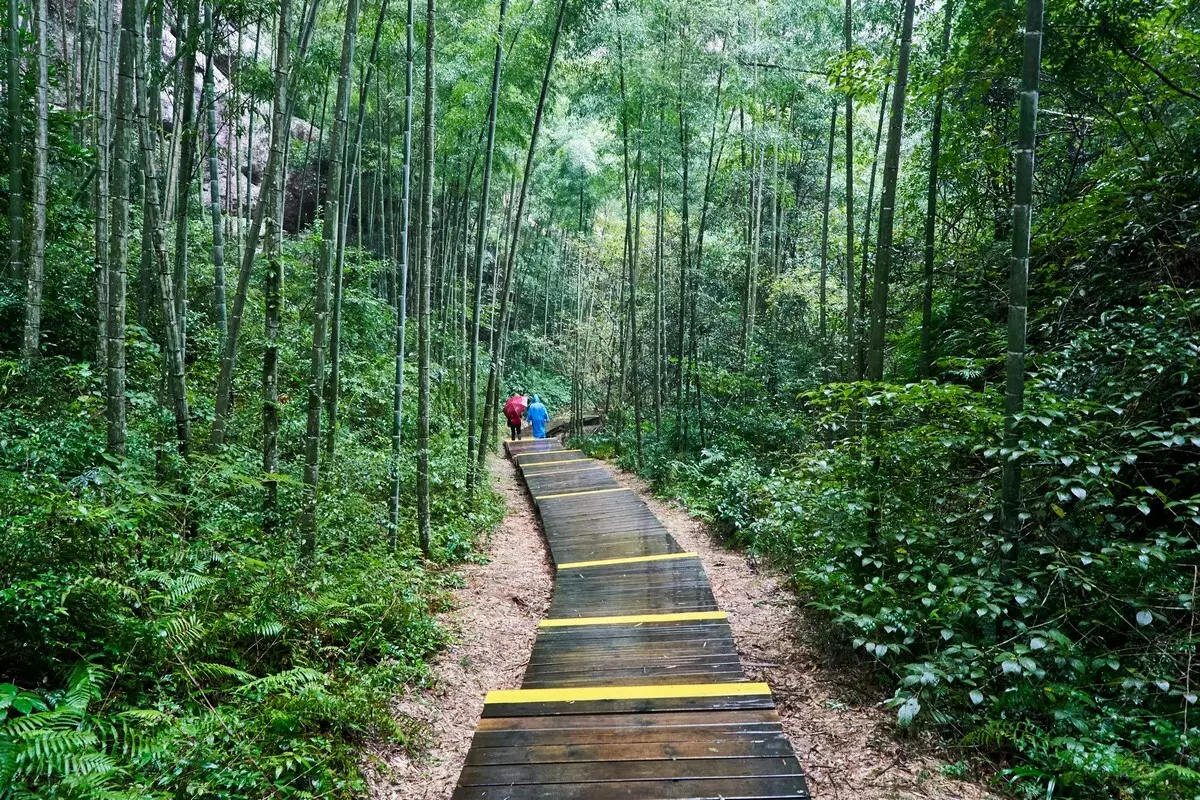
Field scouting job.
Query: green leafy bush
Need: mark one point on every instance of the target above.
(1066, 652)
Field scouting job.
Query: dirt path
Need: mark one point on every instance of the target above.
(494, 621)
(843, 738)
(831, 713)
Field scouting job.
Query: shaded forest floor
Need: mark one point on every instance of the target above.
(831, 711)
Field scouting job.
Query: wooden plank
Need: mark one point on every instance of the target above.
(614, 771)
(734, 747)
(509, 696)
(775, 788)
(640, 706)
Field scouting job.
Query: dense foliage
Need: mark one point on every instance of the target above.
(156, 642)
(699, 224)
(1066, 653)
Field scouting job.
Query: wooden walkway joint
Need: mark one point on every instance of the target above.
(634, 690)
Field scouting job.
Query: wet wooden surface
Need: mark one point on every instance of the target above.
(634, 689)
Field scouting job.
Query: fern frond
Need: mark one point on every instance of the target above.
(180, 588)
(51, 752)
(84, 684)
(183, 631)
(126, 593)
(213, 671)
(264, 628)
(61, 718)
(288, 680)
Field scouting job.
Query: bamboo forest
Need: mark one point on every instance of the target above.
(877, 318)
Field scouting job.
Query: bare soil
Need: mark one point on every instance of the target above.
(493, 623)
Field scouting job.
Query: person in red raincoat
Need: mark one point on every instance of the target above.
(513, 410)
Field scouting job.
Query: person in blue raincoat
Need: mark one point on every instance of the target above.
(537, 416)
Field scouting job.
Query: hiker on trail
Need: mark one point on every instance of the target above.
(538, 416)
(513, 409)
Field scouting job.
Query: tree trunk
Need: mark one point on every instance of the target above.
(424, 531)
(16, 145)
(887, 204)
(119, 244)
(658, 290)
(330, 245)
(851, 318)
(493, 372)
(634, 263)
(214, 176)
(152, 218)
(37, 249)
(187, 154)
(1018, 290)
(402, 280)
(147, 277)
(335, 334)
(273, 283)
(825, 235)
(101, 143)
(925, 367)
(480, 248)
(863, 311)
(282, 115)
(684, 248)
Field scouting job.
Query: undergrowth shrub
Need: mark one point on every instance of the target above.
(1067, 653)
(154, 641)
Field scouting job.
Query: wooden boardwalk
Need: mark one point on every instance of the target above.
(634, 690)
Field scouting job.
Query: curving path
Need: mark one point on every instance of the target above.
(634, 690)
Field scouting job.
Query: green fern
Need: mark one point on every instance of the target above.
(288, 680)
(182, 631)
(213, 672)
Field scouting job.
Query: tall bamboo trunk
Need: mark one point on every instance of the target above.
(101, 142)
(1018, 288)
(214, 174)
(659, 294)
(273, 283)
(335, 334)
(147, 277)
(401, 280)
(887, 204)
(634, 263)
(424, 530)
(37, 248)
(330, 246)
(925, 366)
(187, 156)
(863, 310)
(493, 373)
(684, 248)
(16, 145)
(822, 340)
(119, 244)
(274, 163)
(752, 259)
(153, 219)
(480, 248)
(851, 318)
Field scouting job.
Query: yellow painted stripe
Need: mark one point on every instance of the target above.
(586, 693)
(597, 465)
(577, 494)
(551, 463)
(632, 560)
(633, 619)
(542, 453)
